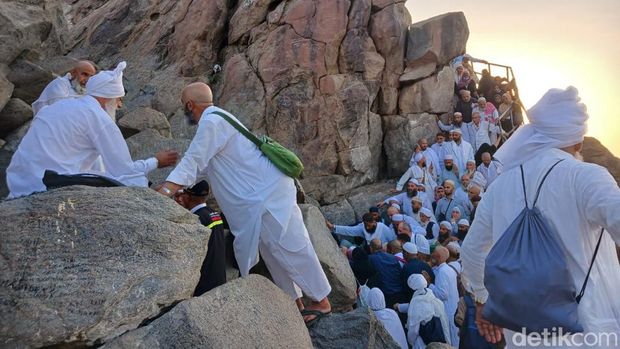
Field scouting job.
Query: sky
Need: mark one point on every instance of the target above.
(549, 44)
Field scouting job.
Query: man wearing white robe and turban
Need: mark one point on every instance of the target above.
(258, 200)
(422, 308)
(577, 199)
(460, 149)
(71, 85)
(69, 136)
(388, 317)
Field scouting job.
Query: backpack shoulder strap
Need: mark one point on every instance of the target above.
(543, 181)
(249, 135)
(585, 282)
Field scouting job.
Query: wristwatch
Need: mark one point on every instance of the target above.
(166, 191)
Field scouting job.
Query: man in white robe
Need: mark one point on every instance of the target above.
(432, 158)
(69, 136)
(420, 172)
(445, 288)
(388, 317)
(369, 229)
(457, 124)
(258, 200)
(423, 306)
(479, 131)
(71, 85)
(460, 149)
(404, 199)
(577, 199)
(489, 168)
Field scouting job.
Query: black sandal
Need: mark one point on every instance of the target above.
(319, 314)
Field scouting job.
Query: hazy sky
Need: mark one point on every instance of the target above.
(549, 43)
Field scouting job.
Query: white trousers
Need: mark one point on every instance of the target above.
(291, 259)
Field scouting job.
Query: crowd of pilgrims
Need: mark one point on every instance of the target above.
(405, 252)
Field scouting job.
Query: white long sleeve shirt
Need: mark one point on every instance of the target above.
(461, 152)
(58, 89)
(68, 137)
(480, 134)
(382, 232)
(446, 290)
(490, 172)
(577, 199)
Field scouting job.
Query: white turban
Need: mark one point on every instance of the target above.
(422, 244)
(558, 120)
(398, 218)
(417, 282)
(446, 225)
(417, 199)
(456, 130)
(410, 247)
(418, 157)
(396, 206)
(376, 299)
(414, 181)
(425, 211)
(463, 222)
(107, 83)
(448, 157)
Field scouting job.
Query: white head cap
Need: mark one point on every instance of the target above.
(425, 211)
(463, 222)
(376, 299)
(417, 282)
(410, 247)
(422, 244)
(107, 83)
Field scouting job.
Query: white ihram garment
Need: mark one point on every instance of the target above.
(259, 203)
(57, 89)
(68, 137)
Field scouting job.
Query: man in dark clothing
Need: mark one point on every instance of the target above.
(390, 273)
(464, 105)
(486, 85)
(213, 270)
(413, 266)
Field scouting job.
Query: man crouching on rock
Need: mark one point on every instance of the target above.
(259, 202)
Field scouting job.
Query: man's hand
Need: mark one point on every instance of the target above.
(427, 277)
(490, 332)
(394, 190)
(330, 225)
(166, 158)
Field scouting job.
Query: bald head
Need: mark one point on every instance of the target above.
(82, 71)
(375, 245)
(440, 255)
(486, 158)
(394, 247)
(197, 92)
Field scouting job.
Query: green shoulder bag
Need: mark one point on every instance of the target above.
(284, 159)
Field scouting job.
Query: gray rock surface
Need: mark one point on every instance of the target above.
(148, 142)
(356, 329)
(431, 95)
(437, 39)
(334, 263)
(141, 119)
(340, 213)
(14, 114)
(362, 198)
(83, 264)
(6, 90)
(245, 313)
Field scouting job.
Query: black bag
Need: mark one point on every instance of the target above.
(53, 180)
(432, 331)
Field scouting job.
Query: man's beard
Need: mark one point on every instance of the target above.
(449, 168)
(110, 108)
(412, 193)
(578, 156)
(75, 84)
(415, 210)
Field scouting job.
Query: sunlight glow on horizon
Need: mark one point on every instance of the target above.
(580, 49)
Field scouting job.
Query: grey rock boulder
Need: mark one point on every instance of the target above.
(434, 94)
(437, 39)
(141, 119)
(334, 263)
(340, 213)
(246, 313)
(15, 114)
(6, 90)
(356, 329)
(81, 265)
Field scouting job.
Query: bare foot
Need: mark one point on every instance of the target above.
(323, 306)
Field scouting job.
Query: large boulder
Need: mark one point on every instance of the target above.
(6, 90)
(593, 151)
(431, 95)
(246, 313)
(334, 263)
(148, 142)
(81, 264)
(362, 198)
(401, 135)
(356, 329)
(15, 114)
(437, 39)
(141, 119)
(340, 213)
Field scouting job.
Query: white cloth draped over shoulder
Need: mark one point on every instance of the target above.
(57, 89)
(388, 317)
(461, 153)
(68, 137)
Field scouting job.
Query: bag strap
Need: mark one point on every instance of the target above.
(447, 208)
(585, 282)
(539, 186)
(249, 135)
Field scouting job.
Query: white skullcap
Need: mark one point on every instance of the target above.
(418, 157)
(410, 247)
(417, 199)
(458, 113)
(423, 245)
(456, 130)
(449, 181)
(396, 206)
(425, 211)
(482, 99)
(107, 83)
(558, 120)
(454, 246)
(376, 299)
(417, 282)
(446, 224)
(448, 157)
(398, 218)
(456, 208)
(414, 181)
(463, 222)
(472, 161)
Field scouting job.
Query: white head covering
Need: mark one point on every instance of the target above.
(107, 83)
(425, 211)
(417, 199)
(418, 157)
(413, 180)
(446, 225)
(417, 229)
(410, 247)
(376, 299)
(396, 206)
(397, 218)
(448, 157)
(456, 208)
(422, 244)
(558, 120)
(463, 222)
(456, 130)
(416, 282)
(454, 246)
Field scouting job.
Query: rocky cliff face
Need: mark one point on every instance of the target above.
(328, 78)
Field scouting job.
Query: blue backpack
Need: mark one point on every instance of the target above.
(527, 276)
